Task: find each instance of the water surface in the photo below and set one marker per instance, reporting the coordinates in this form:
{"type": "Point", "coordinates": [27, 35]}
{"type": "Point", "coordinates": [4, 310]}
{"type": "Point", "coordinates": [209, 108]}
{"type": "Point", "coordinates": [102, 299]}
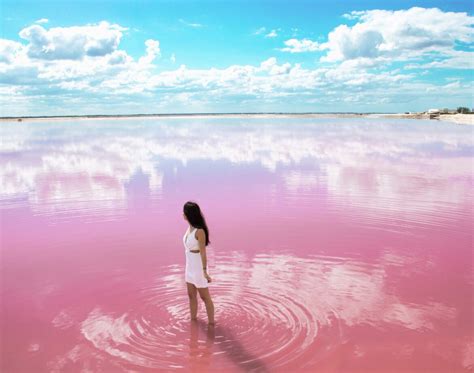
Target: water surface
{"type": "Point", "coordinates": [336, 245]}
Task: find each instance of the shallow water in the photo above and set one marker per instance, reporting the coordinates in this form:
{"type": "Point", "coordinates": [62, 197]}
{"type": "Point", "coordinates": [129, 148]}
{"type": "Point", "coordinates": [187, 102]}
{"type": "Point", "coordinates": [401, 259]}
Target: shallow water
{"type": "Point", "coordinates": [336, 245]}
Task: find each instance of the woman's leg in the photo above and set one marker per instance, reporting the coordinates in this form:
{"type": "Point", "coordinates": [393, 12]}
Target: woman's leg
{"type": "Point", "coordinates": [206, 297]}
{"type": "Point", "coordinates": [193, 302]}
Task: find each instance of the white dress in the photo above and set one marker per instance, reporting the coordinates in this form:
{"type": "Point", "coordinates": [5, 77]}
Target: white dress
{"type": "Point", "coordinates": [194, 273]}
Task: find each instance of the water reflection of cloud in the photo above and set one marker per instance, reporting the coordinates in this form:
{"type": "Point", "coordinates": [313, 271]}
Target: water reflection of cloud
{"type": "Point", "coordinates": [64, 176]}
{"type": "Point", "coordinates": [403, 191]}
{"type": "Point", "coordinates": [108, 333]}
{"type": "Point", "coordinates": [355, 292]}
{"type": "Point", "coordinates": [100, 157]}
{"type": "Point", "coordinates": [416, 191]}
{"type": "Point", "coordinates": [280, 307]}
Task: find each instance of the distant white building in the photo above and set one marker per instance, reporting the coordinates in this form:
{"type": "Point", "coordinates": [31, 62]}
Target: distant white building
{"type": "Point", "coordinates": [434, 111]}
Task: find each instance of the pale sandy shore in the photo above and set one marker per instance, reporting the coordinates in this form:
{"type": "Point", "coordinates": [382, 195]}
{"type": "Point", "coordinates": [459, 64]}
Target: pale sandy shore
{"type": "Point", "coordinates": [458, 118]}
{"type": "Point", "coordinates": [453, 118]}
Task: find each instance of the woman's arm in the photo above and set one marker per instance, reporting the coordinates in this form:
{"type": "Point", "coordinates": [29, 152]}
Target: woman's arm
{"type": "Point", "coordinates": [201, 237]}
{"type": "Point", "coordinates": [202, 247]}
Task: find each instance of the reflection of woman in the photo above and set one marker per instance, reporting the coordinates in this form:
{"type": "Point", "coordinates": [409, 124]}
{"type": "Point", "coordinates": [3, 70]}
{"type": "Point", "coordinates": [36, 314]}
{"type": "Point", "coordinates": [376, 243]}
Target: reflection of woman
{"type": "Point", "coordinates": [200, 355]}
{"type": "Point", "coordinates": [195, 241]}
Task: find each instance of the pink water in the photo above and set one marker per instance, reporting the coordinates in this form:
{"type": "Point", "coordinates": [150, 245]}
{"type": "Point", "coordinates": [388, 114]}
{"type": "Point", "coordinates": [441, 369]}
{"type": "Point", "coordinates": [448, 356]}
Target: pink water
{"type": "Point", "coordinates": [336, 245]}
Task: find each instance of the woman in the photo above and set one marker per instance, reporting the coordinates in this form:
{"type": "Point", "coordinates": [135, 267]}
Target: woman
{"type": "Point", "coordinates": [195, 241]}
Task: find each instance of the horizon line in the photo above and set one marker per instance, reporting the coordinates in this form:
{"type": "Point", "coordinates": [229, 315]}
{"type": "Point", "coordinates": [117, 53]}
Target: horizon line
{"type": "Point", "coordinates": [203, 113]}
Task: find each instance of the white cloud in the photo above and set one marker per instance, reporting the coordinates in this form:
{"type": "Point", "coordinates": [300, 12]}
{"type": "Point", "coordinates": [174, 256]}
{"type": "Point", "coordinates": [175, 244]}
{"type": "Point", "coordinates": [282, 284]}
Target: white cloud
{"type": "Point", "coordinates": [269, 34]}
{"type": "Point", "coordinates": [349, 43]}
{"type": "Point", "coordinates": [71, 58]}
{"type": "Point", "coordinates": [452, 85]}
{"type": "Point", "coordinates": [9, 50]}
{"type": "Point", "coordinates": [98, 161]}
{"type": "Point", "coordinates": [401, 34]}
{"type": "Point", "coordinates": [272, 34]}
{"type": "Point", "coordinates": [127, 83]}
{"type": "Point", "coordinates": [83, 64]}
{"type": "Point", "coordinates": [260, 31]}
{"type": "Point", "coordinates": [118, 58]}
{"type": "Point", "coordinates": [191, 24]}
{"type": "Point", "coordinates": [454, 59]}
{"type": "Point", "coordinates": [352, 15]}
{"type": "Point", "coordinates": [15, 66]}
{"type": "Point", "coordinates": [273, 68]}
{"type": "Point", "coordinates": [385, 36]}
{"type": "Point", "coordinates": [298, 46]}
{"type": "Point", "coordinates": [42, 20]}
{"type": "Point", "coordinates": [152, 51]}
{"type": "Point", "coordinates": [72, 43]}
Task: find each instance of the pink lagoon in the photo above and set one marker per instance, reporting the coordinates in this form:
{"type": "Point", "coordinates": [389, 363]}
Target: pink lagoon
{"type": "Point", "coordinates": [337, 245]}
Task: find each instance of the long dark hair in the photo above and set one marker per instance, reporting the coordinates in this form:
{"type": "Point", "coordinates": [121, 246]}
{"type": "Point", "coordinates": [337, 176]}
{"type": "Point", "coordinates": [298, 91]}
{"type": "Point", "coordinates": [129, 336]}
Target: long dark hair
{"type": "Point", "coordinates": [196, 218]}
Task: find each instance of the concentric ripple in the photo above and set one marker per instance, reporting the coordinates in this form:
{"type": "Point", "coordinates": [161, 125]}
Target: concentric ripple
{"type": "Point", "coordinates": [266, 319]}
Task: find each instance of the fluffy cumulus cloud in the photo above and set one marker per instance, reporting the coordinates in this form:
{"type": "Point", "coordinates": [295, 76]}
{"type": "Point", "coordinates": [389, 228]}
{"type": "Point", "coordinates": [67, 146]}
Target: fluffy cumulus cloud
{"type": "Point", "coordinates": [152, 51]}
{"type": "Point", "coordinates": [401, 34]}
{"type": "Point", "coordinates": [9, 50]}
{"type": "Point", "coordinates": [70, 58]}
{"type": "Point", "coordinates": [80, 68]}
{"type": "Point", "coordinates": [388, 36]}
{"type": "Point", "coordinates": [298, 46]}
{"type": "Point", "coordinates": [72, 43]}
{"type": "Point", "coordinates": [271, 66]}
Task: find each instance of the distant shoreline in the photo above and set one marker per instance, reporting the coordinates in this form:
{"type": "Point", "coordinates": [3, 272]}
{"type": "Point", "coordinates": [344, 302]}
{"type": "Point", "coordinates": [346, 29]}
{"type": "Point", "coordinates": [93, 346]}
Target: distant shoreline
{"type": "Point", "coordinates": [454, 118]}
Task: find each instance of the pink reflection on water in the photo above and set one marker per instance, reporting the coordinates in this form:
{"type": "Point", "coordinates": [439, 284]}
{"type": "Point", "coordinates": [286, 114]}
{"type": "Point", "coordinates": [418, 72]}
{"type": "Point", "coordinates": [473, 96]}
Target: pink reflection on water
{"type": "Point", "coordinates": [336, 245]}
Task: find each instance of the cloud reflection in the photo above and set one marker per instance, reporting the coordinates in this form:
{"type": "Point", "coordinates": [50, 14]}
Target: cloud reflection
{"type": "Point", "coordinates": [279, 307]}
{"type": "Point", "coordinates": [85, 165]}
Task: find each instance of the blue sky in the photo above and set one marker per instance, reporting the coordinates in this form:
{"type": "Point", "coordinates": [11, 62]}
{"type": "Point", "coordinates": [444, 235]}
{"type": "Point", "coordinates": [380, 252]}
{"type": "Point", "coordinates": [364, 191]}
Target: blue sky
{"type": "Point", "coordinates": [93, 57]}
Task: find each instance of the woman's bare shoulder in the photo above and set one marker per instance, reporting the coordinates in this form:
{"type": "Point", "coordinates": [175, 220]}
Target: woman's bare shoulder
{"type": "Point", "coordinates": [200, 233]}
